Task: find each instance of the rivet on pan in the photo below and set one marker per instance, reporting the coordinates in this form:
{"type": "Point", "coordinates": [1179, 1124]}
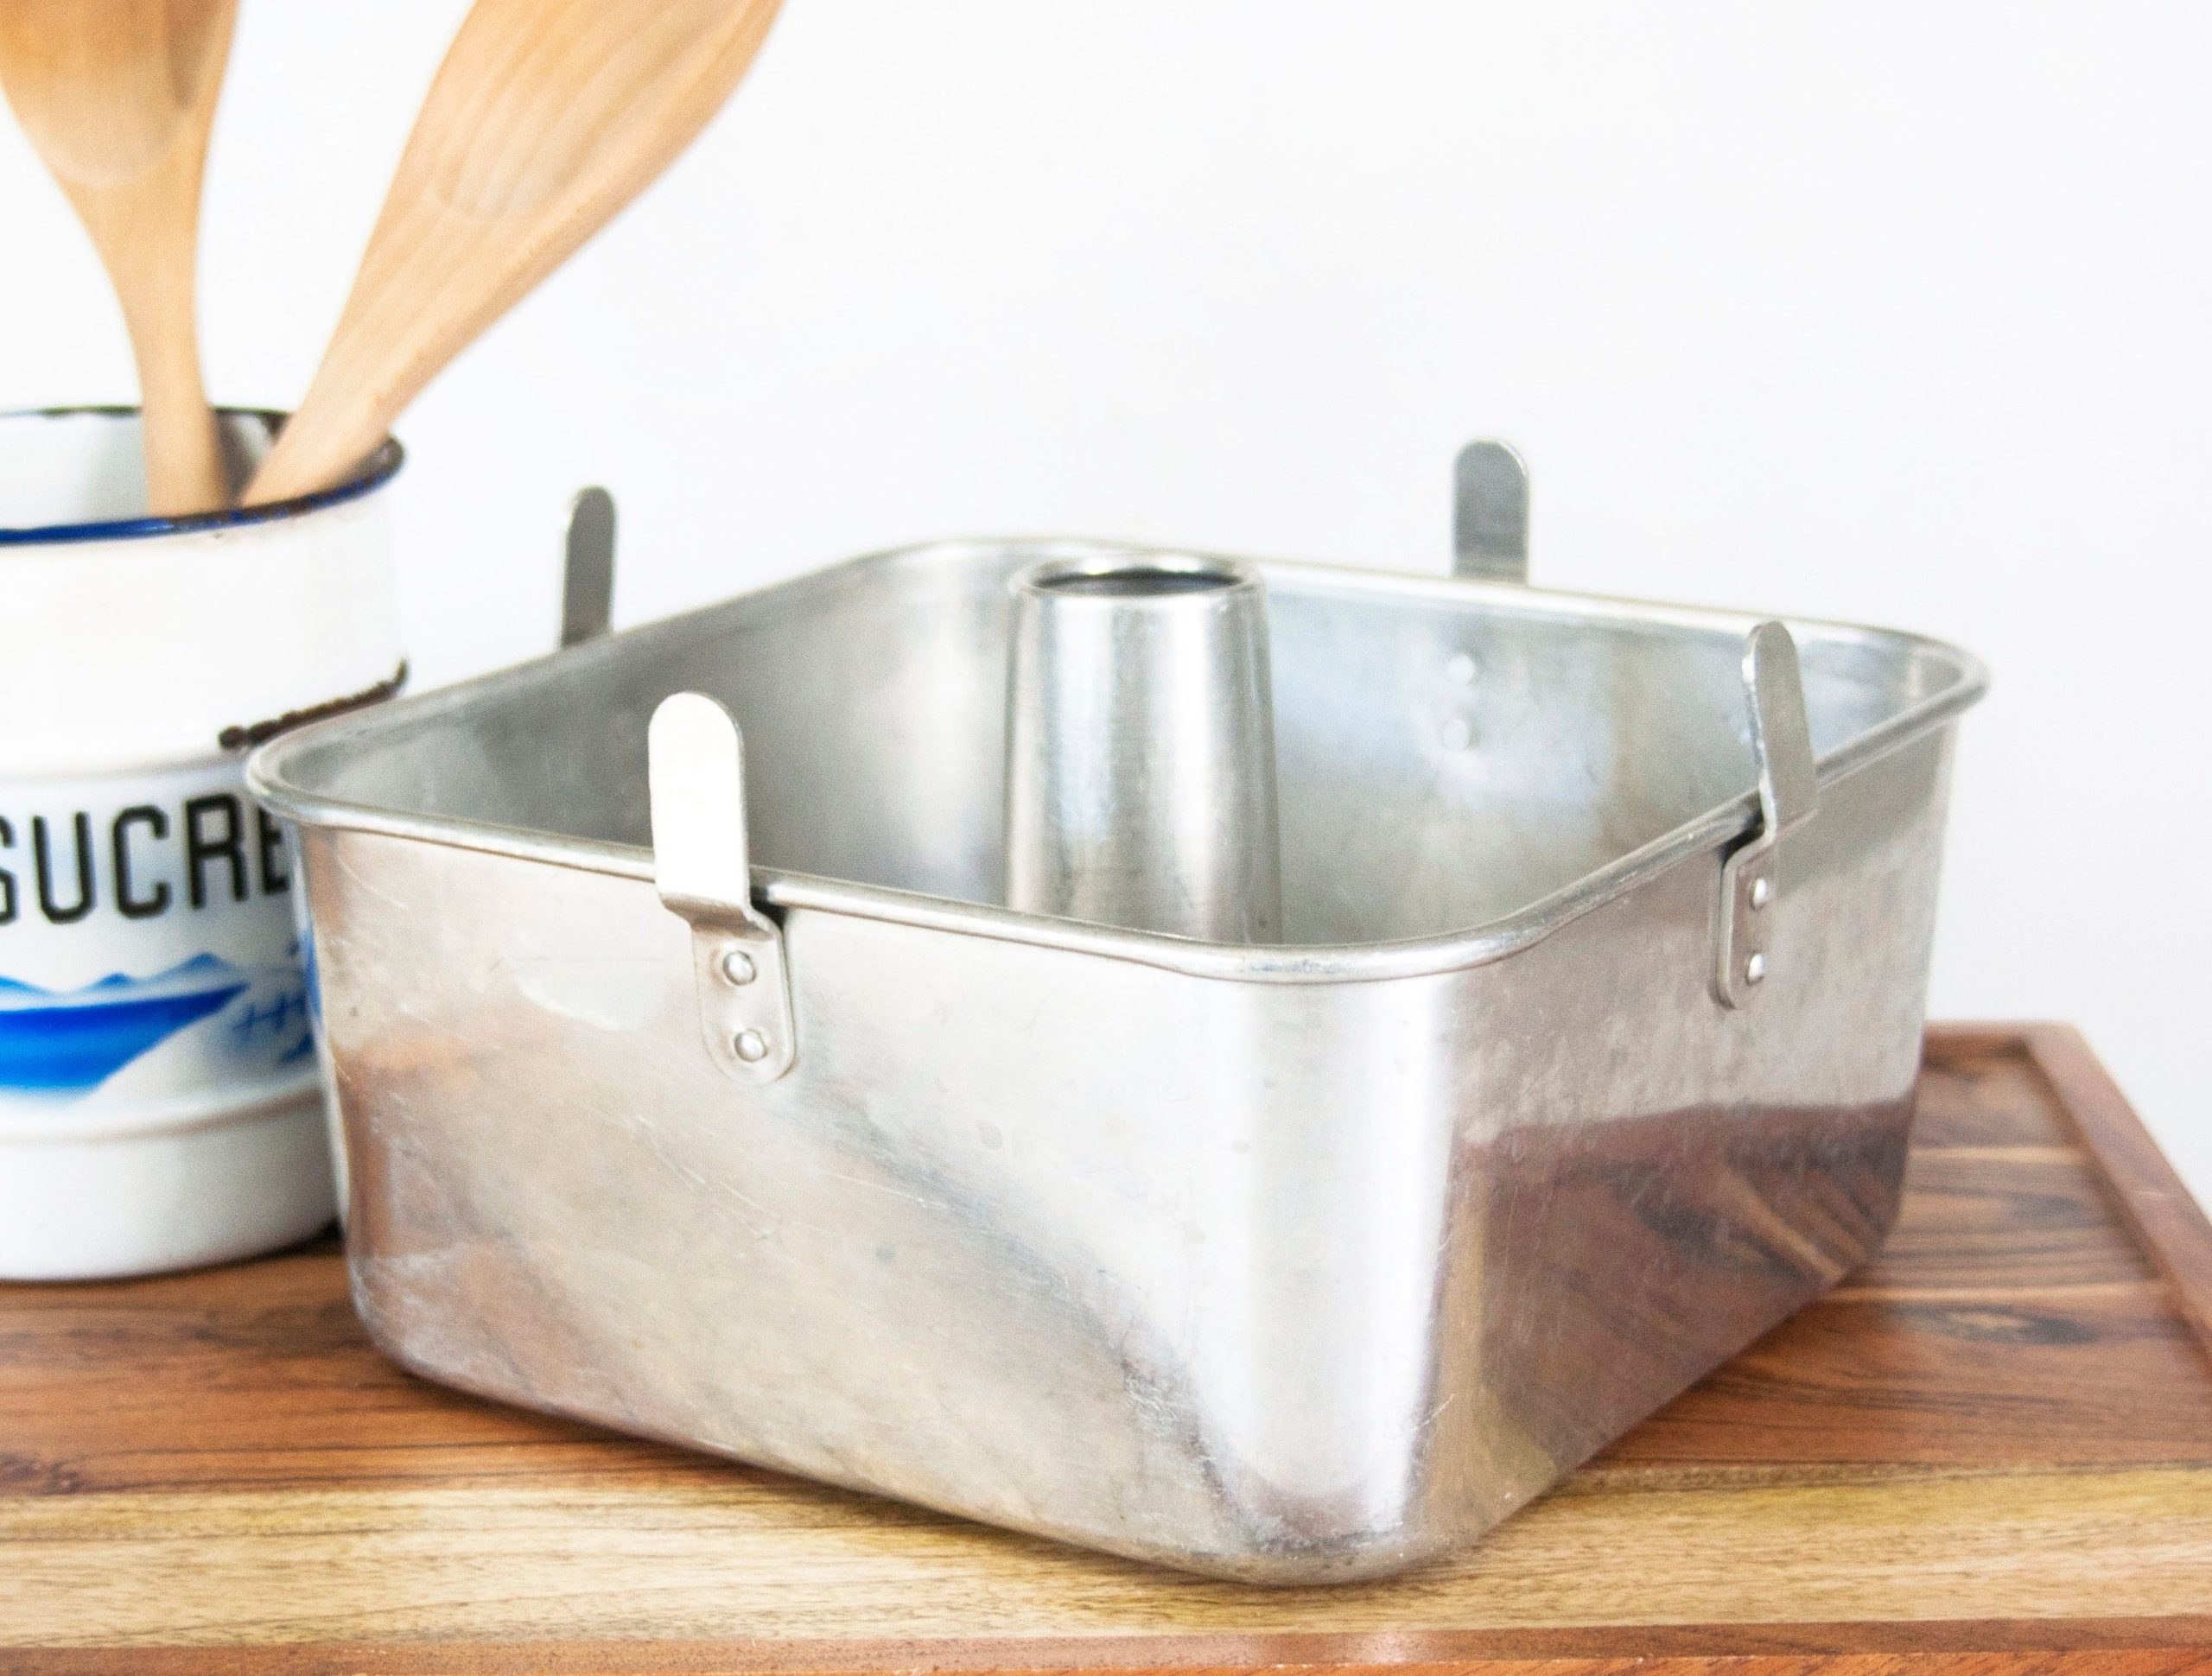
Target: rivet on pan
{"type": "Point", "coordinates": [750, 1046]}
{"type": "Point", "coordinates": [1762, 891]}
{"type": "Point", "coordinates": [1754, 969]}
{"type": "Point", "coordinates": [738, 970]}
{"type": "Point", "coordinates": [1457, 735]}
{"type": "Point", "coordinates": [1460, 671]}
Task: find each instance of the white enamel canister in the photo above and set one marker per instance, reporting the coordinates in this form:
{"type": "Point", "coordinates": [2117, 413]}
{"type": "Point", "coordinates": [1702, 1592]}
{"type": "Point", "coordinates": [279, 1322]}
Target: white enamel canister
{"type": "Point", "coordinates": [160, 1103]}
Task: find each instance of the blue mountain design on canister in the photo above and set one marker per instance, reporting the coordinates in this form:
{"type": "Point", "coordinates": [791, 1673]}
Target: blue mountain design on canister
{"type": "Point", "coordinates": [68, 1041]}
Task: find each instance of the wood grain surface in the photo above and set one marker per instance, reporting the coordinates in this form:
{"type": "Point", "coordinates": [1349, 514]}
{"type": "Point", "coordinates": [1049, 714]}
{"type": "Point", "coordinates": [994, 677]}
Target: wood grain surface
{"type": "Point", "coordinates": [1991, 1450]}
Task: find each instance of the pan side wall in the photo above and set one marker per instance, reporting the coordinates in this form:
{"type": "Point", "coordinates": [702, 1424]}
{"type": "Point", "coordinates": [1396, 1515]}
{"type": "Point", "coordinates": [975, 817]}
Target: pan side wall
{"type": "Point", "coordinates": [1285, 1281]}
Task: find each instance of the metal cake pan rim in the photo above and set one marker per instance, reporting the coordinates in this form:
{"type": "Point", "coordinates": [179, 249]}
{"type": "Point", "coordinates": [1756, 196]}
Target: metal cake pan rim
{"type": "Point", "coordinates": [1354, 962]}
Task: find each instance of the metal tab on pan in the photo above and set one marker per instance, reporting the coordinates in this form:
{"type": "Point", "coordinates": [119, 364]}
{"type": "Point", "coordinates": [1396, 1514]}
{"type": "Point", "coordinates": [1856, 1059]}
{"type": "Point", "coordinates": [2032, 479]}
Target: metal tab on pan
{"type": "Point", "coordinates": [1489, 514]}
{"type": "Point", "coordinates": [1789, 796]}
{"type": "Point", "coordinates": [701, 867]}
{"type": "Point", "coordinates": [588, 574]}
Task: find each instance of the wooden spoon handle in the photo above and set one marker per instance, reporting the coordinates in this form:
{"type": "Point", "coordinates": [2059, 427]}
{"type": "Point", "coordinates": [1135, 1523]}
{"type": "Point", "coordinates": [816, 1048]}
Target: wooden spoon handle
{"type": "Point", "coordinates": [185, 469]}
{"type": "Point", "coordinates": [118, 95]}
{"type": "Point", "coordinates": [546, 117]}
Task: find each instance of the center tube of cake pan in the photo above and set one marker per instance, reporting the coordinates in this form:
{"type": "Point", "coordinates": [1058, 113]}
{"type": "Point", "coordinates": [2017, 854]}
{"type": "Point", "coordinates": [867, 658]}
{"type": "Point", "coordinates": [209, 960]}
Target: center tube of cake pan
{"type": "Point", "coordinates": [1141, 763]}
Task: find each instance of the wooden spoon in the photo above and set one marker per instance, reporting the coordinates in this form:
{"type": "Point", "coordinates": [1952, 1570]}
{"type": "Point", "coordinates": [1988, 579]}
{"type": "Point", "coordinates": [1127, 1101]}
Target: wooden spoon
{"type": "Point", "coordinates": [117, 96]}
{"type": "Point", "coordinates": [546, 117]}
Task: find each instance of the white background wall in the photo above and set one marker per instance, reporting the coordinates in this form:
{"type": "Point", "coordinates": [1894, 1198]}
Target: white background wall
{"type": "Point", "coordinates": [1894, 311]}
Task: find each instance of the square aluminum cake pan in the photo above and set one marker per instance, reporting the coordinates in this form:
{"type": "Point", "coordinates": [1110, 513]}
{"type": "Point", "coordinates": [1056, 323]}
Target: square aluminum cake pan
{"type": "Point", "coordinates": [1292, 1263]}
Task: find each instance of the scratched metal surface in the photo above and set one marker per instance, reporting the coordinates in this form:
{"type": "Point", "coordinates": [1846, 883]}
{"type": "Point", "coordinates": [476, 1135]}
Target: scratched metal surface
{"type": "Point", "coordinates": [1295, 1263]}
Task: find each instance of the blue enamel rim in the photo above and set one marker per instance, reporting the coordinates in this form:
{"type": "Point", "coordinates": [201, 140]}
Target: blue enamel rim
{"type": "Point", "coordinates": [382, 465]}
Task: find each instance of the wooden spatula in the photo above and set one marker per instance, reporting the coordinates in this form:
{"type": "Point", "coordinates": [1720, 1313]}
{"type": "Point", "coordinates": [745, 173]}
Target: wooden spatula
{"type": "Point", "coordinates": [546, 117]}
{"type": "Point", "coordinates": [117, 96]}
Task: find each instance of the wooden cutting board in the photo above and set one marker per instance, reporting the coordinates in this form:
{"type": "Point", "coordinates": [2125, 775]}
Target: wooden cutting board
{"type": "Point", "coordinates": [1990, 1450]}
